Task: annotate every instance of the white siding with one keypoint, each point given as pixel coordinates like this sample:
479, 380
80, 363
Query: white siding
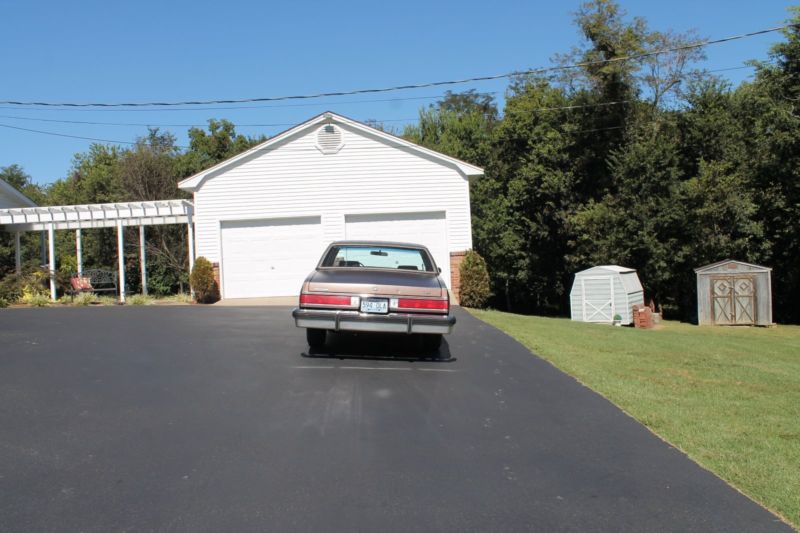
367, 175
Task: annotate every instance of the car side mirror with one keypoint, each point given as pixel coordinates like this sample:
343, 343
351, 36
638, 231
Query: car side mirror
439, 269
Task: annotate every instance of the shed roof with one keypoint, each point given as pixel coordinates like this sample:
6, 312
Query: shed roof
613, 268
724, 262
192, 183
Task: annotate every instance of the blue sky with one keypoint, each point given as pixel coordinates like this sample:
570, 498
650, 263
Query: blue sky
104, 51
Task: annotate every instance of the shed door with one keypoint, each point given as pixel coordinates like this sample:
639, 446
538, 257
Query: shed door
598, 298
269, 257
733, 300
427, 229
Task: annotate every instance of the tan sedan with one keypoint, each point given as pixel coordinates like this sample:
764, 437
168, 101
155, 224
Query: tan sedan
383, 287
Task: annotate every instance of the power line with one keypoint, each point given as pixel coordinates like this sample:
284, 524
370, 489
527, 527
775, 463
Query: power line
151, 124
133, 143
56, 134
315, 104
286, 124
540, 70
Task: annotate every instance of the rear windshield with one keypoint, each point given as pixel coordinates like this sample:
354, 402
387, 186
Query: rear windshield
365, 256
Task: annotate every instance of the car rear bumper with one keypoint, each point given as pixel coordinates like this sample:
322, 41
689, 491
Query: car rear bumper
355, 321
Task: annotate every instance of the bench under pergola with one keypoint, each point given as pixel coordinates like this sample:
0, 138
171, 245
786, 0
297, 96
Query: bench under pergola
79, 217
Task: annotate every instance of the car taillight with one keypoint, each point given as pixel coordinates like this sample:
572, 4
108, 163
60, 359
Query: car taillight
327, 299
422, 304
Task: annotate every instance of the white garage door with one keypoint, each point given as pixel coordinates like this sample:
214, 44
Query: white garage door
269, 257
428, 229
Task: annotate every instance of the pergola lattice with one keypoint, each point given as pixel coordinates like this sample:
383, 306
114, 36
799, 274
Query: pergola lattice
79, 217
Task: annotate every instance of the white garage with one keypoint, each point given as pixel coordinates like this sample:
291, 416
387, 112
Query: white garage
265, 216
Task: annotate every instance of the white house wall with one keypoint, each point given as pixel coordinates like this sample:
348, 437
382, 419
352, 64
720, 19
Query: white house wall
366, 176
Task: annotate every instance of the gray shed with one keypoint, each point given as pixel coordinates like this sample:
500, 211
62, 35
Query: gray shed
734, 293
601, 292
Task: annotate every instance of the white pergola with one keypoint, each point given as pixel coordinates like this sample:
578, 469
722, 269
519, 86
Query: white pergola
79, 217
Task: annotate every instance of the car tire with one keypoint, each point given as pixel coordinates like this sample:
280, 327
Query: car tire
316, 337
431, 343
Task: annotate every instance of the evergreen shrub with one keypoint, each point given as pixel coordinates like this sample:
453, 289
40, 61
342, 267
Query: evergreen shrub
475, 290
202, 281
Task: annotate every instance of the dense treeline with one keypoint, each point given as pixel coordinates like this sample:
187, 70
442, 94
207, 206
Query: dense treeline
650, 163
149, 170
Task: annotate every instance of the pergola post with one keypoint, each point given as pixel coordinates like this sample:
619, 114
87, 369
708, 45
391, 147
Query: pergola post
121, 254
51, 254
143, 259
79, 251
17, 254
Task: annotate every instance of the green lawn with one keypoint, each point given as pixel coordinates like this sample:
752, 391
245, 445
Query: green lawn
728, 397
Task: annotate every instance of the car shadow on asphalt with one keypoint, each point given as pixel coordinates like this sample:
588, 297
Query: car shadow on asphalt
367, 346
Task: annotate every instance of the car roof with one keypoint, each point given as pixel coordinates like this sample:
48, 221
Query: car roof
378, 243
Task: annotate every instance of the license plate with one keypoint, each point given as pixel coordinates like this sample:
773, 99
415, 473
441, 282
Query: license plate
375, 305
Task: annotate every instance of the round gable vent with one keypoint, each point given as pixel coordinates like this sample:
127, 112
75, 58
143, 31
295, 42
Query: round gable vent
329, 139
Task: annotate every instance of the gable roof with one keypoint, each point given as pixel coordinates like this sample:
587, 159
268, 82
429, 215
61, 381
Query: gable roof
7, 190
718, 264
192, 183
613, 268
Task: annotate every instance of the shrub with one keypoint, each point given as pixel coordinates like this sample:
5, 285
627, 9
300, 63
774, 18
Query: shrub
11, 288
139, 299
475, 290
181, 298
35, 299
202, 281
3, 302
25, 286
84, 298
68, 265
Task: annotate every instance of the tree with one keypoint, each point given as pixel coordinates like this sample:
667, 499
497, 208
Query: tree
641, 224
459, 125
206, 149
148, 172
770, 121
521, 204
15, 176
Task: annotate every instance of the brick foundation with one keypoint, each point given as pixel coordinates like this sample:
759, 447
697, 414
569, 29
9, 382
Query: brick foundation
455, 274
215, 266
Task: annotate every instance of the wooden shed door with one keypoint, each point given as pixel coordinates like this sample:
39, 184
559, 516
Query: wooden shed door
733, 300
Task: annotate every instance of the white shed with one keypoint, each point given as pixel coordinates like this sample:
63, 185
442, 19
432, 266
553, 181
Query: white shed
265, 216
600, 292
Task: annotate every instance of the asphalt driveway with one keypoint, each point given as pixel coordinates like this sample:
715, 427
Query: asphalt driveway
214, 419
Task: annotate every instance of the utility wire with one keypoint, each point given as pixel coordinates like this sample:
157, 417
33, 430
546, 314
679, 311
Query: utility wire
71, 136
153, 125
133, 143
315, 104
285, 124
540, 70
